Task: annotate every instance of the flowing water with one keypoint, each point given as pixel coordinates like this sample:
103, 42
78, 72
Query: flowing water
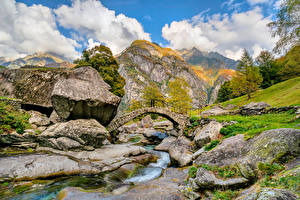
49, 189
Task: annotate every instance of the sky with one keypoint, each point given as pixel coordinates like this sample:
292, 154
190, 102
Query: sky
66, 27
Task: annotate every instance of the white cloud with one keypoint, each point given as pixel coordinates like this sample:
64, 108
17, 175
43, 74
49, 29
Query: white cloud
254, 2
92, 19
227, 34
29, 29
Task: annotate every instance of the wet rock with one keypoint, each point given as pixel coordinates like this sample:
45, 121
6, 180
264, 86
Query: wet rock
166, 187
254, 108
180, 151
165, 144
84, 94
208, 133
85, 132
146, 122
226, 153
207, 180
41, 166
154, 135
38, 118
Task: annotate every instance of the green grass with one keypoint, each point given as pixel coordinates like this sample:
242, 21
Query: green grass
253, 125
223, 172
282, 94
211, 145
225, 195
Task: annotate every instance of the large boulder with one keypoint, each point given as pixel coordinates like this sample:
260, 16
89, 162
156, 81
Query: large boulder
208, 133
217, 110
73, 93
84, 94
165, 144
273, 145
180, 151
254, 108
41, 166
226, 153
146, 122
74, 134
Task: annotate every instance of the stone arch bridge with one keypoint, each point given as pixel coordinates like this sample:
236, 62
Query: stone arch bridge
179, 121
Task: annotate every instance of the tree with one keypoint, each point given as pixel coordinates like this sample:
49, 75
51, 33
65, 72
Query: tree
287, 25
178, 95
289, 64
225, 92
102, 59
268, 69
152, 92
247, 79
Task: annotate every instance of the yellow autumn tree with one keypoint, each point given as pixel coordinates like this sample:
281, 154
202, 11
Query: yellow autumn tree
179, 98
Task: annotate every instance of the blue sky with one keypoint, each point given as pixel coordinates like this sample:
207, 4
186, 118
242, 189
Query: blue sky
67, 26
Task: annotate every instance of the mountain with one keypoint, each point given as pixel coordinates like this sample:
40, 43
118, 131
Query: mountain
38, 59
208, 60
144, 62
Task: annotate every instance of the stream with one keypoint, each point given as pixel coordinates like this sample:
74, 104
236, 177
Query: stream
106, 182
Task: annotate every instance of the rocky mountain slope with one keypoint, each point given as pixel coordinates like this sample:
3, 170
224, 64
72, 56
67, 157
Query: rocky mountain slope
208, 60
144, 63
37, 59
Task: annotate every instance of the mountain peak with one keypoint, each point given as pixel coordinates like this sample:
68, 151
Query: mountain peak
155, 49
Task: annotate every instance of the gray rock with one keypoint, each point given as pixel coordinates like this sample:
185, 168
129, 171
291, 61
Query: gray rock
38, 118
199, 152
216, 110
269, 194
208, 133
226, 153
163, 125
180, 151
254, 108
54, 118
130, 129
165, 144
154, 135
41, 166
271, 145
65, 143
146, 122
207, 180
86, 132
84, 94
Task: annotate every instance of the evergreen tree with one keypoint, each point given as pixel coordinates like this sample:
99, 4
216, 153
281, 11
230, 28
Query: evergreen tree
102, 59
247, 79
268, 69
178, 95
225, 92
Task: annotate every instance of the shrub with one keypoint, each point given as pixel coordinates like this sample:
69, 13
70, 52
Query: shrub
211, 145
192, 172
11, 119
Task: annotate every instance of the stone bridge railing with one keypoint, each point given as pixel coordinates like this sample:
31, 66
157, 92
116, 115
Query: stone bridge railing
179, 121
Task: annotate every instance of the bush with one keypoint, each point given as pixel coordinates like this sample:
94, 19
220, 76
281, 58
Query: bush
211, 145
11, 119
192, 172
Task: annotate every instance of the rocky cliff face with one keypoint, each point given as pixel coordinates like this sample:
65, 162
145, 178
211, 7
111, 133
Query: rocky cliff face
144, 63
